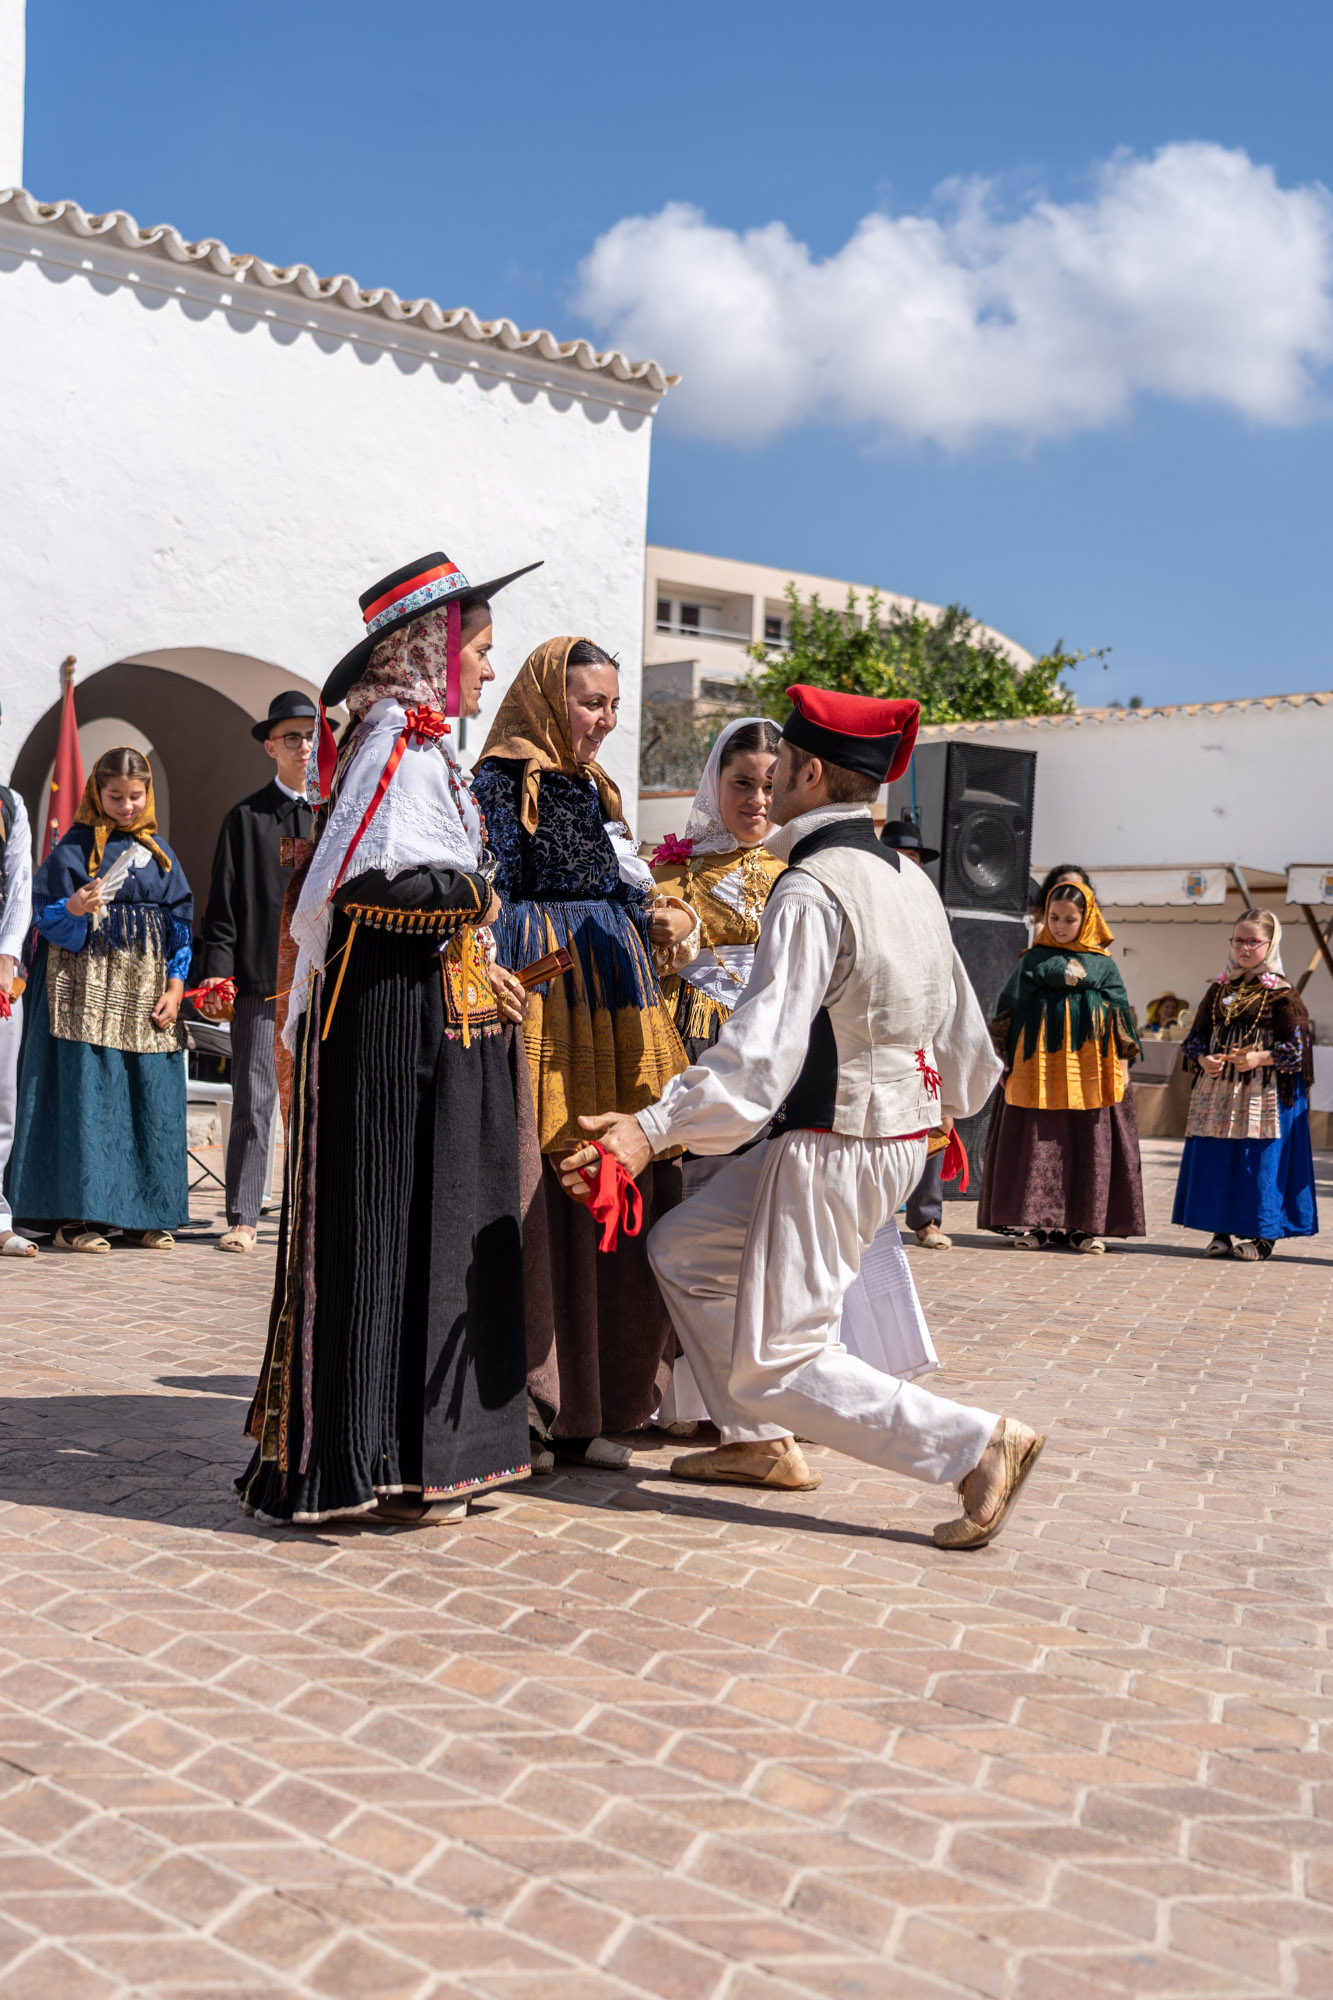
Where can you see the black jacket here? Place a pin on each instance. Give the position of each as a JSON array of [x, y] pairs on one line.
[[240, 930]]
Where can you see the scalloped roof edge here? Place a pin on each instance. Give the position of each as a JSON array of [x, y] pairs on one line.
[[1082, 715], [163, 241]]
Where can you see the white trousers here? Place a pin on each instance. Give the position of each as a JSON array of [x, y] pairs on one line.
[[754, 1268], [11, 1034]]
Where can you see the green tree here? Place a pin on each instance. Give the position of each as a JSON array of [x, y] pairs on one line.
[[949, 664]]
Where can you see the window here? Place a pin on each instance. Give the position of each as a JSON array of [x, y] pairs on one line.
[[690, 617], [773, 630], [664, 614]]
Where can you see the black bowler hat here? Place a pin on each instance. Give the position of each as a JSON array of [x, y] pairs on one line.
[[905, 835], [396, 600], [287, 707]]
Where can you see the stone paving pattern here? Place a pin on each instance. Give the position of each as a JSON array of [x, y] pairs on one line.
[[613, 1737]]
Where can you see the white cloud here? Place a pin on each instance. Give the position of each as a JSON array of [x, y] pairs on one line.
[[1191, 275]]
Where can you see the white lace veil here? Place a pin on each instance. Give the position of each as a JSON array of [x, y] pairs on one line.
[[704, 829], [427, 818]]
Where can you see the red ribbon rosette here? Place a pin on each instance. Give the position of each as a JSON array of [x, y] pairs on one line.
[[615, 1202]]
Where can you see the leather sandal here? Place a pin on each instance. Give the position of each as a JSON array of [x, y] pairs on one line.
[[238, 1237], [149, 1239], [702, 1467], [1019, 1459], [1246, 1249], [1219, 1247], [14, 1245]]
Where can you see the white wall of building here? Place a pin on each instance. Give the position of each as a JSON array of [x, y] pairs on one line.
[[198, 466], [12, 65]]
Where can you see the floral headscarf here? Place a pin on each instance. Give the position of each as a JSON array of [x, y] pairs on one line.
[[410, 665], [143, 826], [533, 725], [1095, 934]]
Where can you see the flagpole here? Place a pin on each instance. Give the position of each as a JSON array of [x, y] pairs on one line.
[[67, 776]]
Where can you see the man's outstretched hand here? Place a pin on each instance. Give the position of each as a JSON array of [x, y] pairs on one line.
[[622, 1137]]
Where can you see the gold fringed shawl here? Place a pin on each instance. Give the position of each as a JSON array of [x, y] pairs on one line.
[[143, 827], [532, 727]]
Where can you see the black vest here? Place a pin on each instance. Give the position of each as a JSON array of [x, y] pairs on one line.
[[810, 1103]]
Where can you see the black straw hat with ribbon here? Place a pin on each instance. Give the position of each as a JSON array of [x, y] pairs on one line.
[[428, 584]]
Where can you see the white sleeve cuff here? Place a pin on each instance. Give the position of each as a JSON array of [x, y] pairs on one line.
[[655, 1127]]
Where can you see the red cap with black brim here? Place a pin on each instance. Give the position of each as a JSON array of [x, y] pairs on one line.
[[858, 731]]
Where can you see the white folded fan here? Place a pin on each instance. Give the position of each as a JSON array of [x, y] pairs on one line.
[[116, 876]]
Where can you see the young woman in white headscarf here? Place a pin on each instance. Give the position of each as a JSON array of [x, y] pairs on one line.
[[721, 870], [394, 1382], [1247, 1171]]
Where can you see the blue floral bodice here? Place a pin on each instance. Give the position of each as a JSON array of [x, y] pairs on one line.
[[568, 859]]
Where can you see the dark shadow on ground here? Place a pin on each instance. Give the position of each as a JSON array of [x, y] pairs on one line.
[[172, 1458]]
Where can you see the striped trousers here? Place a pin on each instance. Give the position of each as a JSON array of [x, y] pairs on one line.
[[254, 1099]]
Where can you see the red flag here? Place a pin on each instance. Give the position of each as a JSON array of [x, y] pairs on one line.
[[67, 778]]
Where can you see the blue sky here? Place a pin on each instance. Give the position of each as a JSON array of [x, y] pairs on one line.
[[479, 155]]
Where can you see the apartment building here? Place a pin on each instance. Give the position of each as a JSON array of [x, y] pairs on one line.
[[702, 612]]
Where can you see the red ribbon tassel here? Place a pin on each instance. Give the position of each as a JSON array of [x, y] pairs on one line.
[[453, 658], [615, 1202], [954, 1165], [425, 724]]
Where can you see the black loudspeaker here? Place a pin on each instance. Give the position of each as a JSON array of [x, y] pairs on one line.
[[989, 947], [973, 803]]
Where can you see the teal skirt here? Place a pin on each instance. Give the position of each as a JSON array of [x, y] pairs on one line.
[[99, 1135]]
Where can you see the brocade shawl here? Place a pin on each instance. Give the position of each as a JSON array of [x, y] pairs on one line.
[[532, 728]]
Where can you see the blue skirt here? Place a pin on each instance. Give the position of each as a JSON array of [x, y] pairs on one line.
[[1251, 1187], [99, 1135]]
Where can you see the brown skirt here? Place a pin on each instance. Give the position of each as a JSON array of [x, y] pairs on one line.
[[1070, 1170], [600, 1341]]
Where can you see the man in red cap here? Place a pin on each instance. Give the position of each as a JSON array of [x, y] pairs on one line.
[[857, 1032]]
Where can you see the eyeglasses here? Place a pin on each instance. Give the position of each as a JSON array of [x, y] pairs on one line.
[[294, 743]]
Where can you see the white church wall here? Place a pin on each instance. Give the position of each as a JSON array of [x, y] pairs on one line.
[[197, 466]]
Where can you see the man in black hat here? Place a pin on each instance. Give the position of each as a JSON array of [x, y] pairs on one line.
[[925, 1204], [240, 942]]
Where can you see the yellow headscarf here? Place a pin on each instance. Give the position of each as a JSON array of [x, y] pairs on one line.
[[143, 826], [1095, 934], [533, 725]]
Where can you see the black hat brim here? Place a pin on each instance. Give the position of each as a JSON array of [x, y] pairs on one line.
[[352, 665], [260, 730]]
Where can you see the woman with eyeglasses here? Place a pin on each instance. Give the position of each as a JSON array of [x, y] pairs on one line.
[[251, 871], [1247, 1172]]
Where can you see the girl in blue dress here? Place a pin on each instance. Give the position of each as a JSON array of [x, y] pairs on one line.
[[1247, 1172], [100, 1137]]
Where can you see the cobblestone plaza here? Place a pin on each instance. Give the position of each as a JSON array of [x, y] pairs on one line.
[[615, 1737]]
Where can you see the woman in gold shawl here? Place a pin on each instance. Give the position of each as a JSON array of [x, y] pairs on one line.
[[598, 1037], [1062, 1153], [99, 1136]]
